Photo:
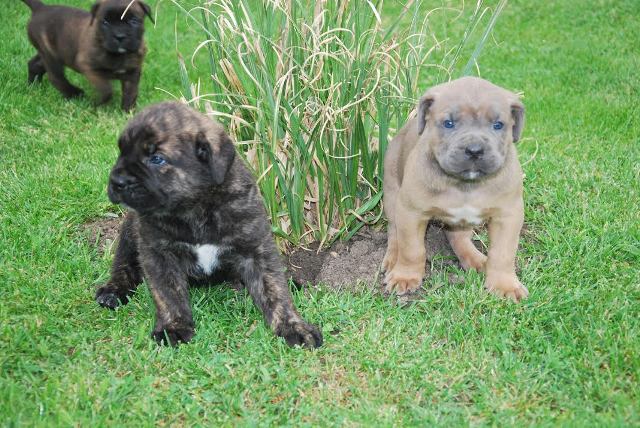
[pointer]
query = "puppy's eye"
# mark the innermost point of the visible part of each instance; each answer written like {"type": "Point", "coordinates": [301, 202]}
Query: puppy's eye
{"type": "Point", "coordinates": [157, 160]}
{"type": "Point", "coordinates": [448, 124]}
{"type": "Point", "coordinates": [105, 22]}
{"type": "Point", "coordinates": [135, 22]}
{"type": "Point", "coordinates": [497, 125]}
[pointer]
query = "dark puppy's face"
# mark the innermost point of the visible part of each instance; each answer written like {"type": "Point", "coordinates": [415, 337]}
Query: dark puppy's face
{"type": "Point", "coordinates": [471, 124]}
{"type": "Point", "coordinates": [120, 24]}
{"type": "Point", "coordinates": [170, 156]}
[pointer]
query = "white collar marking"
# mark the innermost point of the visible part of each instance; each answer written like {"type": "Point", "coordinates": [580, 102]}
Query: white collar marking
{"type": "Point", "coordinates": [208, 257]}
{"type": "Point", "coordinates": [465, 213]}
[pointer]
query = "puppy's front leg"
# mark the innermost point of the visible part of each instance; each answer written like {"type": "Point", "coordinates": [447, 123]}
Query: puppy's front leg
{"type": "Point", "coordinates": [130, 91]}
{"type": "Point", "coordinates": [467, 253]}
{"type": "Point", "coordinates": [391, 255]}
{"type": "Point", "coordinates": [102, 85]}
{"type": "Point", "coordinates": [391, 189]}
{"type": "Point", "coordinates": [126, 273]}
{"type": "Point", "coordinates": [265, 281]}
{"type": "Point", "coordinates": [411, 225]}
{"type": "Point", "coordinates": [504, 234]}
{"type": "Point", "coordinates": [170, 291]}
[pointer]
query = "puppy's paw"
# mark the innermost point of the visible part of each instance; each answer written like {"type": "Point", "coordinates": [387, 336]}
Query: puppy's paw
{"type": "Point", "coordinates": [103, 99]}
{"type": "Point", "coordinates": [402, 281]}
{"type": "Point", "coordinates": [300, 332]}
{"type": "Point", "coordinates": [73, 93]}
{"type": "Point", "coordinates": [127, 107]}
{"type": "Point", "coordinates": [36, 78]}
{"type": "Point", "coordinates": [506, 285]}
{"type": "Point", "coordinates": [110, 297]}
{"type": "Point", "coordinates": [474, 261]}
{"type": "Point", "coordinates": [173, 336]}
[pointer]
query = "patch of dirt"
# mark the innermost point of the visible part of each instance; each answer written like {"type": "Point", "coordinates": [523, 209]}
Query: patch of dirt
{"type": "Point", "coordinates": [356, 264]}
{"type": "Point", "coordinates": [103, 231]}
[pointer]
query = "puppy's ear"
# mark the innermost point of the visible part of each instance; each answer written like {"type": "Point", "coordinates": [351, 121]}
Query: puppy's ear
{"type": "Point", "coordinates": [423, 109]}
{"type": "Point", "coordinates": [147, 11]}
{"type": "Point", "coordinates": [517, 111]}
{"type": "Point", "coordinates": [94, 11]}
{"type": "Point", "coordinates": [218, 156]}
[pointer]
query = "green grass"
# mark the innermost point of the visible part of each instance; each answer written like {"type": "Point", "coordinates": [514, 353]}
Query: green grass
{"type": "Point", "coordinates": [568, 355]}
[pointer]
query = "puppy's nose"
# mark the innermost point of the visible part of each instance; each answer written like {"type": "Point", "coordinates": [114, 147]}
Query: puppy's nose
{"type": "Point", "coordinates": [120, 182]}
{"type": "Point", "coordinates": [119, 37]}
{"type": "Point", "coordinates": [474, 151]}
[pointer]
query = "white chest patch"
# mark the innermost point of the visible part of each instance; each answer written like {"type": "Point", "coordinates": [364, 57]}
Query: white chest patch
{"type": "Point", "coordinates": [465, 213]}
{"type": "Point", "coordinates": [122, 71]}
{"type": "Point", "coordinates": [208, 257]}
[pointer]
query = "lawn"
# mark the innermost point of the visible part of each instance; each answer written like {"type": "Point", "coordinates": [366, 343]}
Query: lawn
{"type": "Point", "coordinates": [568, 355]}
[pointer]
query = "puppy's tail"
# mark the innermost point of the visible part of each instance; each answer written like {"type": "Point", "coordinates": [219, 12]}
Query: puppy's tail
{"type": "Point", "coordinates": [33, 4]}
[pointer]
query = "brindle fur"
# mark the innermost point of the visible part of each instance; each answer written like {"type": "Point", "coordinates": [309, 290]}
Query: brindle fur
{"type": "Point", "coordinates": [98, 44]}
{"type": "Point", "coordinates": [204, 194]}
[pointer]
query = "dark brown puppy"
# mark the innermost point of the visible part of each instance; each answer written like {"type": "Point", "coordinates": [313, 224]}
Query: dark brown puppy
{"type": "Point", "coordinates": [101, 44]}
{"type": "Point", "coordinates": [196, 214]}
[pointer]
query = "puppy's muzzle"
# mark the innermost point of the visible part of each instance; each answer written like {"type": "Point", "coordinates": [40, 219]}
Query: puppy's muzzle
{"type": "Point", "coordinates": [119, 186]}
{"type": "Point", "coordinates": [120, 183]}
{"type": "Point", "coordinates": [121, 43]}
{"type": "Point", "coordinates": [474, 151]}
{"type": "Point", "coordinates": [473, 145]}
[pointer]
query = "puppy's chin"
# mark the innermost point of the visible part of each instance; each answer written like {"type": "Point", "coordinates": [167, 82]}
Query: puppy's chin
{"type": "Point", "coordinates": [470, 173]}
{"type": "Point", "coordinates": [142, 206]}
{"type": "Point", "coordinates": [130, 44]}
{"type": "Point", "coordinates": [468, 176]}
{"type": "Point", "coordinates": [139, 202]}
{"type": "Point", "coordinates": [120, 49]}
{"type": "Point", "coordinates": [469, 170]}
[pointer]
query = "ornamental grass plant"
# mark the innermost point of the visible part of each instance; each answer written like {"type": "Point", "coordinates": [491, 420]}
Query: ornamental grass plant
{"type": "Point", "coordinates": [312, 92]}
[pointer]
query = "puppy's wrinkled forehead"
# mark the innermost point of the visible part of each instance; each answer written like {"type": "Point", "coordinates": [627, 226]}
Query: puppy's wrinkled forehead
{"type": "Point", "coordinates": [471, 98]}
{"type": "Point", "coordinates": [166, 126]}
{"type": "Point", "coordinates": [114, 9]}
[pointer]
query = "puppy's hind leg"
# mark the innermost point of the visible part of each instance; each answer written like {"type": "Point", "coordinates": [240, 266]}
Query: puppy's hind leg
{"type": "Point", "coordinates": [265, 281]}
{"type": "Point", "coordinates": [126, 273]}
{"type": "Point", "coordinates": [470, 257]}
{"type": "Point", "coordinates": [57, 78]}
{"type": "Point", "coordinates": [36, 69]}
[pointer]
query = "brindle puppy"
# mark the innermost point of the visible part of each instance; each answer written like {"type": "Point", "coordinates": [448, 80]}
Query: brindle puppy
{"type": "Point", "coordinates": [196, 214]}
{"type": "Point", "coordinates": [101, 44]}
